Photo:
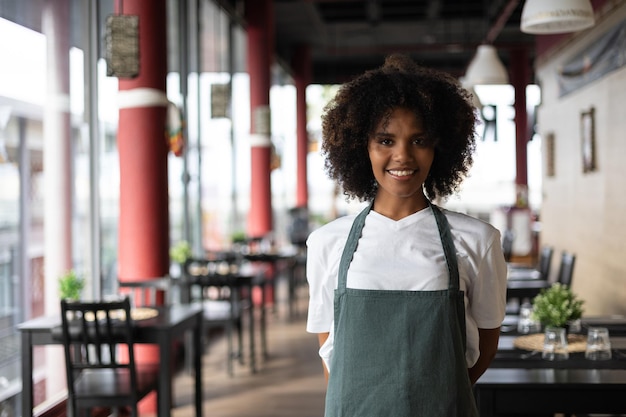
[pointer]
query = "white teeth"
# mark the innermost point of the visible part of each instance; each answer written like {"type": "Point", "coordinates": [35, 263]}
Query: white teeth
{"type": "Point", "coordinates": [401, 173]}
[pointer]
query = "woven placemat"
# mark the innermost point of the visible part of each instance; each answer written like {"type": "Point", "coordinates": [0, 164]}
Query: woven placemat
{"type": "Point", "coordinates": [532, 342]}
{"type": "Point", "coordinates": [139, 313]}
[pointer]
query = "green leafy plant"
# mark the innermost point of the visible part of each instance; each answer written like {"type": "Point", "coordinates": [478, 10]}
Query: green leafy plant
{"type": "Point", "coordinates": [556, 306]}
{"type": "Point", "coordinates": [180, 252]}
{"type": "Point", "coordinates": [71, 285]}
{"type": "Point", "coordinates": [238, 237]}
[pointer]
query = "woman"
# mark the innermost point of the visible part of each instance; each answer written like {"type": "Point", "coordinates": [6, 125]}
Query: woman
{"type": "Point", "coordinates": [406, 298]}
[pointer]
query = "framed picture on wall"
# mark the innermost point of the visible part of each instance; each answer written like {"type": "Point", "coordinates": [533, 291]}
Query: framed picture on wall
{"type": "Point", "coordinates": [587, 128]}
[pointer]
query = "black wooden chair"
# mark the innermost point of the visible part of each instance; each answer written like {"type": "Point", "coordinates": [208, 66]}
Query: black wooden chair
{"type": "Point", "coordinates": [507, 244]}
{"type": "Point", "coordinates": [566, 269]}
{"type": "Point", "coordinates": [541, 271]}
{"type": "Point", "coordinates": [99, 358]}
{"type": "Point", "coordinates": [212, 283]}
{"type": "Point", "coordinates": [545, 261]}
{"type": "Point", "coordinates": [147, 292]}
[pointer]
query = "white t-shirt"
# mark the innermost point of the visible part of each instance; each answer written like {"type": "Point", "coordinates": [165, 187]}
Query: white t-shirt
{"type": "Point", "coordinates": [408, 255]}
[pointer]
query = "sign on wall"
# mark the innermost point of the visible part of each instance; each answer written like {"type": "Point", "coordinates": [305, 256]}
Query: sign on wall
{"type": "Point", "coordinates": [603, 56]}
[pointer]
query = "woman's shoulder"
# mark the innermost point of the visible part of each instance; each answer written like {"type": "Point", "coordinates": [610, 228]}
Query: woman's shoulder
{"type": "Point", "coordinates": [334, 230]}
{"type": "Point", "coordinates": [466, 224]}
{"type": "Point", "coordinates": [324, 248]}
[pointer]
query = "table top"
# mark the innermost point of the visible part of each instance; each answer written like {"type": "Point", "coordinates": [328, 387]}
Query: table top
{"type": "Point", "coordinates": [551, 377]}
{"type": "Point", "coordinates": [522, 274]}
{"type": "Point", "coordinates": [168, 317]}
{"type": "Point", "coordinates": [528, 284]}
{"type": "Point", "coordinates": [509, 356]}
{"type": "Point", "coordinates": [615, 323]}
{"type": "Point", "coordinates": [245, 275]}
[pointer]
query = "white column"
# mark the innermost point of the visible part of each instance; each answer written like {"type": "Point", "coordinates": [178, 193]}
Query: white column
{"type": "Point", "coordinates": [57, 171]}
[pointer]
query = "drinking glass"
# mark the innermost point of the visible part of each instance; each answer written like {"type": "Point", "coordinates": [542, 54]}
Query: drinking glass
{"type": "Point", "coordinates": [555, 344]}
{"type": "Point", "coordinates": [598, 344]}
{"type": "Point", "coordinates": [575, 326]}
{"type": "Point", "coordinates": [526, 324]}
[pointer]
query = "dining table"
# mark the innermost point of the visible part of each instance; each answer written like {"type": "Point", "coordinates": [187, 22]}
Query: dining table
{"type": "Point", "coordinates": [521, 382]}
{"type": "Point", "coordinates": [171, 324]}
{"type": "Point", "coordinates": [525, 288]}
{"type": "Point", "coordinates": [523, 274]}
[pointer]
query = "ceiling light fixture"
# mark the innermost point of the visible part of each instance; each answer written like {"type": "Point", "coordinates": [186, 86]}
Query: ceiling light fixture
{"type": "Point", "coordinates": [486, 68]}
{"type": "Point", "coordinates": [556, 16]}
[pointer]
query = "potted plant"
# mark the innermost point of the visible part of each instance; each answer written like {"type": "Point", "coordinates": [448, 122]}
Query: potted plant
{"type": "Point", "coordinates": [238, 237]}
{"type": "Point", "coordinates": [71, 285]}
{"type": "Point", "coordinates": [557, 306]}
{"type": "Point", "coordinates": [180, 252]}
{"type": "Point", "coordinates": [239, 242]}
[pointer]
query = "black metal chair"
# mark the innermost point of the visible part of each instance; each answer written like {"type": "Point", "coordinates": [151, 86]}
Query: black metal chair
{"type": "Point", "coordinates": [99, 358]}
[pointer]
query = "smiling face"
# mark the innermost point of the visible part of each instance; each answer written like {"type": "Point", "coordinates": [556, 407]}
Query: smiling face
{"type": "Point", "coordinates": [401, 155]}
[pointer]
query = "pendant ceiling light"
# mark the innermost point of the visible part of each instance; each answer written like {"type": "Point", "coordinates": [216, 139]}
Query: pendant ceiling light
{"type": "Point", "coordinates": [486, 68]}
{"type": "Point", "coordinates": [556, 16]}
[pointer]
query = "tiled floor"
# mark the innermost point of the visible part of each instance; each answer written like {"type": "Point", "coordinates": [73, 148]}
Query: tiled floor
{"type": "Point", "coordinates": [288, 383]}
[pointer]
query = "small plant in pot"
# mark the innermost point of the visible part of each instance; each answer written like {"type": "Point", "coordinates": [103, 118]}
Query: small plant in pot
{"type": "Point", "coordinates": [180, 252]}
{"type": "Point", "coordinates": [239, 241]}
{"type": "Point", "coordinates": [557, 306]}
{"type": "Point", "coordinates": [71, 286]}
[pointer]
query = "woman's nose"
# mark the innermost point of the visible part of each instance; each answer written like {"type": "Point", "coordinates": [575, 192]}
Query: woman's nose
{"type": "Point", "coordinates": [403, 152]}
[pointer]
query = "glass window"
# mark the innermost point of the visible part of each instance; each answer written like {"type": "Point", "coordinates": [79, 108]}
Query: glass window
{"type": "Point", "coordinates": [59, 165]}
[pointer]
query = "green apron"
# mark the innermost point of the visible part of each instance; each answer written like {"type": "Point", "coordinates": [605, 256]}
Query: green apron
{"type": "Point", "coordinates": [399, 353]}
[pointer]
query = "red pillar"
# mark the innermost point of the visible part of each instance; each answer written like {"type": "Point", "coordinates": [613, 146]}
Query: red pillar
{"type": "Point", "coordinates": [520, 78]}
{"type": "Point", "coordinates": [259, 16]}
{"type": "Point", "coordinates": [302, 76]}
{"type": "Point", "coordinates": [144, 223]}
{"type": "Point", "coordinates": [143, 246]}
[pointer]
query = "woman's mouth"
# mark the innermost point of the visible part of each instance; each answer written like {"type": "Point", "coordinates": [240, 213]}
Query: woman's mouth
{"type": "Point", "coordinates": [401, 173]}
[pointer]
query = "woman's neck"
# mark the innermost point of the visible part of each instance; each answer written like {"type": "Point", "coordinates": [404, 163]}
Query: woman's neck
{"type": "Point", "coordinates": [397, 209]}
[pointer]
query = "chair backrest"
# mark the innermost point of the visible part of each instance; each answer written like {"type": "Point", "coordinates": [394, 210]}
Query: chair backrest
{"type": "Point", "coordinates": [147, 292]}
{"type": "Point", "coordinates": [211, 275]}
{"type": "Point", "coordinates": [566, 268]}
{"type": "Point", "coordinates": [94, 337]}
{"type": "Point", "coordinates": [507, 244]}
{"type": "Point", "coordinates": [545, 261]}
{"type": "Point", "coordinates": [214, 283]}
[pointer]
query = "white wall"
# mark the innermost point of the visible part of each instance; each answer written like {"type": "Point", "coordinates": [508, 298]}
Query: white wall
{"type": "Point", "coordinates": [585, 212]}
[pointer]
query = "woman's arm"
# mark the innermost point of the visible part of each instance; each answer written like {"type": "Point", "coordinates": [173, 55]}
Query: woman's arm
{"type": "Point", "coordinates": [322, 339]}
{"type": "Point", "coordinates": [488, 345]}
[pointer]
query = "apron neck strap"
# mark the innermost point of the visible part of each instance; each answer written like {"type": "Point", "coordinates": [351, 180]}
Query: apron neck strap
{"type": "Point", "coordinates": [448, 246]}
{"type": "Point", "coordinates": [351, 244]}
